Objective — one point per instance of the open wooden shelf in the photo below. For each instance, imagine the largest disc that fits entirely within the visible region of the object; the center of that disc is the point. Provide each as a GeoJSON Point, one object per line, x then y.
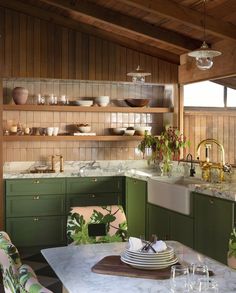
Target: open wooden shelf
{"type": "Point", "coordinates": [68, 108]}
{"type": "Point", "coordinates": [72, 138]}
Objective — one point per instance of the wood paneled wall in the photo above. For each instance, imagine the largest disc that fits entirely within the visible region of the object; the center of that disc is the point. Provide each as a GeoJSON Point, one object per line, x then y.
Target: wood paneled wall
{"type": "Point", "coordinates": [220, 125]}
{"type": "Point", "coordinates": [31, 47]}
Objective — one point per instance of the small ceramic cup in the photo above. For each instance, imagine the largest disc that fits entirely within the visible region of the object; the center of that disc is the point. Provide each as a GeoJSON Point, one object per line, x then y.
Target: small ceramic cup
{"type": "Point", "coordinates": [50, 131]}
{"type": "Point", "coordinates": [55, 131]}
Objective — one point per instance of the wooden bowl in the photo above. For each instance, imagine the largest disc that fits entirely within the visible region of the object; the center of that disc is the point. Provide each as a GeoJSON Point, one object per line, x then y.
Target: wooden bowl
{"type": "Point", "coordinates": [137, 102]}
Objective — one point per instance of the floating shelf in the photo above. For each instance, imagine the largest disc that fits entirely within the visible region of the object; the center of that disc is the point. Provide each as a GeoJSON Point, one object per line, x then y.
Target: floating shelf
{"type": "Point", "coordinates": [72, 138]}
{"type": "Point", "coordinates": [68, 108]}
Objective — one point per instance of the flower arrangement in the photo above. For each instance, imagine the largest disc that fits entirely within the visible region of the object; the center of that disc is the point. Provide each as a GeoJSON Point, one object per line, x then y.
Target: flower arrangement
{"type": "Point", "coordinates": [165, 147]}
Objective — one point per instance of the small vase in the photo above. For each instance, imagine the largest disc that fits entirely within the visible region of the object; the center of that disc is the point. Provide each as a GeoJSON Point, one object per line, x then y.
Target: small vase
{"type": "Point", "coordinates": [20, 95]}
{"type": "Point", "coordinates": [231, 261]}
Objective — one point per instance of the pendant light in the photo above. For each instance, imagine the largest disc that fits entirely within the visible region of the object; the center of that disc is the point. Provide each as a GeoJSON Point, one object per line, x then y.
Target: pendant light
{"type": "Point", "coordinates": [204, 55]}
{"type": "Point", "coordinates": [138, 75]}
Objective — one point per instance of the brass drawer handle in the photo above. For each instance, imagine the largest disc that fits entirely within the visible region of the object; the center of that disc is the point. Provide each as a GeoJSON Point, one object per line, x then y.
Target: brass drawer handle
{"type": "Point", "coordinates": [211, 201]}
{"type": "Point", "coordinates": [36, 182]}
{"type": "Point", "coordinates": [36, 219]}
{"type": "Point", "coordinates": [92, 195]}
{"type": "Point", "coordinates": [94, 179]}
{"type": "Point", "coordinates": [36, 197]}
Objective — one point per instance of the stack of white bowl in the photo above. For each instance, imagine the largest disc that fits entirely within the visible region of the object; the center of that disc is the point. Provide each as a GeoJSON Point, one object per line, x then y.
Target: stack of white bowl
{"type": "Point", "coordinates": [102, 101]}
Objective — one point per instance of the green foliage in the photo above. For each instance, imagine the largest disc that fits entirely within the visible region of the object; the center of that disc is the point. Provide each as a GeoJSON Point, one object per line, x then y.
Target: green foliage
{"type": "Point", "coordinates": [232, 243]}
{"type": "Point", "coordinates": [165, 147]}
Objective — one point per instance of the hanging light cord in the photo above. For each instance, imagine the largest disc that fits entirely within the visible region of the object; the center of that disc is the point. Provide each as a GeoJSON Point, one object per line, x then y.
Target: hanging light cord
{"type": "Point", "coordinates": [204, 20]}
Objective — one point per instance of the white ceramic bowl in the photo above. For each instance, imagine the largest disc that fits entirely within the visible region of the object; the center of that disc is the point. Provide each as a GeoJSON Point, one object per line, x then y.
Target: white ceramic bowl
{"type": "Point", "coordinates": [84, 103]}
{"type": "Point", "coordinates": [140, 130]}
{"type": "Point", "coordinates": [102, 101]}
{"type": "Point", "coordinates": [84, 129]}
{"type": "Point", "coordinates": [129, 132]}
{"type": "Point", "coordinates": [118, 130]}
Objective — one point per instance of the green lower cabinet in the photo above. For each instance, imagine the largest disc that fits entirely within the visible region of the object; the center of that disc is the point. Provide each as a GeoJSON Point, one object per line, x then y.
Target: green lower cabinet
{"type": "Point", "coordinates": [93, 199]}
{"type": "Point", "coordinates": [36, 231]}
{"type": "Point", "coordinates": [168, 225]}
{"type": "Point", "coordinates": [214, 218]}
{"type": "Point", "coordinates": [182, 229]}
{"type": "Point", "coordinates": [136, 197]}
{"type": "Point", "coordinates": [158, 222]}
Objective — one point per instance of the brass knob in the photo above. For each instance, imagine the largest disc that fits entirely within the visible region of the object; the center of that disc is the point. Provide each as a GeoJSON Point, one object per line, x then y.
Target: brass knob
{"type": "Point", "coordinates": [211, 201]}
{"type": "Point", "coordinates": [36, 182]}
{"type": "Point", "coordinates": [36, 197]}
{"type": "Point", "coordinates": [93, 195]}
{"type": "Point", "coordinates": [94, 179]}
{"type": "Point", "coordinates": [36, 219]}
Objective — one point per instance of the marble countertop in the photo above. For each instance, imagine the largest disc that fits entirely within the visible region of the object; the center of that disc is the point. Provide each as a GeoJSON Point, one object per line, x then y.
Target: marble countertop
{"type": "Point", "coordinates": [134, 169]}
{"type": "Point", "coordinates": [72, 265]}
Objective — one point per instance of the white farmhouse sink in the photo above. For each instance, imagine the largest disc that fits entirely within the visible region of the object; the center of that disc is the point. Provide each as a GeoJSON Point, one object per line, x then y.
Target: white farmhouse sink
{"type": "Point", "coordinates": [171, 193]}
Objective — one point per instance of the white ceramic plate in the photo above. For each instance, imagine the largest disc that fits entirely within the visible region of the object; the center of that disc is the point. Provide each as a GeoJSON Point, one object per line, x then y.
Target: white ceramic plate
{"type": "Point", "coordinates": [150, 254]}
{"type": "Point", "coordinates": [150, 267]}
{"type": "Point", "coordinates": [148, 260]}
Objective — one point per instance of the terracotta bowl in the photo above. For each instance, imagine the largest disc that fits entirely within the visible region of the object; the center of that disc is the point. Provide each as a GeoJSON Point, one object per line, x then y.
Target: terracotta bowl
{"type": "Point", "coordinates": [20, 95]}
{"type": "Point", "coordinates": [137, 102]}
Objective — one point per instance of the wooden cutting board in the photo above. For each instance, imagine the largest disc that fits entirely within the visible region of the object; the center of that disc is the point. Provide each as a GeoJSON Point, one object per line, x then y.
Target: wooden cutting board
{"type": "Point", "coordinates": [112, 265]}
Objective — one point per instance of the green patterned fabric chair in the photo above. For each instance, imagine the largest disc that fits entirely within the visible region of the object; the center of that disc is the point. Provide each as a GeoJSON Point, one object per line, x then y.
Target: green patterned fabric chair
{"type": "Point", "coordinates": [17, 278]}
{"type": "Point", "coordinates": [96, 224]}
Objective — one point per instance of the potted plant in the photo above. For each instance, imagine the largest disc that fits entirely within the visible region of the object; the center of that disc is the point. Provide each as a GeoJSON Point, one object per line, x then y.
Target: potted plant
{"type": "Point", "coordinates": [232, 250]}
{"type": "Point", "coordinates": [164, 148]}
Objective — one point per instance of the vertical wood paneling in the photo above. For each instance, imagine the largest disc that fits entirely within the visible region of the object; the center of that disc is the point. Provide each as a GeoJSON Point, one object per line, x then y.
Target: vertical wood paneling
{"type": "Point", "coordinates": [36, 48]}
{"type": "Point", "coordinates": [1, 163]}
{"type": "Point", "coordinates": [218, 125]}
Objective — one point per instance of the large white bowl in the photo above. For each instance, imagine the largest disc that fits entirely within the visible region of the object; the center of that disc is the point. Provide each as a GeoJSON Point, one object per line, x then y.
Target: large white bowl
{"type": "Point", "coordinates": [84, 103]}
{"type": "Point", "coordinates": [84, 129]}
{"type": "Point", "coordinates": [140, 130]}
{"type": "Point", "coordinates": [102, 101]}
{"type": "Point", "coordinates": [118, 130]}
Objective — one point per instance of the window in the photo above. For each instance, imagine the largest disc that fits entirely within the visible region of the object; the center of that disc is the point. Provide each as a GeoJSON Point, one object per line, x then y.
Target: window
{"type": "Point", "coordinates": [204, 94]}
{"type": "Point", "coordinates": [231, 97]}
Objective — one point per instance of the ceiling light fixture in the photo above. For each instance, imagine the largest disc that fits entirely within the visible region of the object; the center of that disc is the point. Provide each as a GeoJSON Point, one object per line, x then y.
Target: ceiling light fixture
{"type": "Point", "coordinates": [138, 75]}
{"type": "Point", "coordinates": [204, 55]}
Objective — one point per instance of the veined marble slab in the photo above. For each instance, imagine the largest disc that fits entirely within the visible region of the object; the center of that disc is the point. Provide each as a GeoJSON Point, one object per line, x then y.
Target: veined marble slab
{"type": "Point", "coordinates": [72, 264]}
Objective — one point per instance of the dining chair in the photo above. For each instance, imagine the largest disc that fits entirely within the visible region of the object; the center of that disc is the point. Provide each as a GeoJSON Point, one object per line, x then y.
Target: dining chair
{"type": "Point", "coordinates": [96, 224]}
{"type": "Point", "coordinates": [17, 278]}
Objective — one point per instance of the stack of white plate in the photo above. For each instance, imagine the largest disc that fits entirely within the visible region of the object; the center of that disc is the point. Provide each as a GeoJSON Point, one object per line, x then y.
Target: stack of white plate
{"type": "Point", "coordinates": [149, 260]}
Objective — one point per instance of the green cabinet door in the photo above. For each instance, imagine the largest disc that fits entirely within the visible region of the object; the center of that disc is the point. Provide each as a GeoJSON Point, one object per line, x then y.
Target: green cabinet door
{"type": "Point", "coordinates": [214, 218]}
{"type": "Point", "coordinates": [36, 231]}
{"type": "Point", "coordinates": [136, 194]}
{"type": "Point", "coordinates": [158, 222]}
{"type": "Point", "coordinates": [31, 205]}
{"type": "Point", "coordinates": [182, 228]}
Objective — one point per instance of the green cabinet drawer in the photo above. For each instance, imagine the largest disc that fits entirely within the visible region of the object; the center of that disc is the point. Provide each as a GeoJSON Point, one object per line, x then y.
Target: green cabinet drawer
{"type": "Point", "coordinates": [36, 186]}
{"type": "Point", "coordinates": [93, 184]}
{"type": "Point", "coordinates": [36, 231]}
{"type": "Point", "coordinates": [36, 205]}
{"type": "Point", "coordinates": [93, 199]}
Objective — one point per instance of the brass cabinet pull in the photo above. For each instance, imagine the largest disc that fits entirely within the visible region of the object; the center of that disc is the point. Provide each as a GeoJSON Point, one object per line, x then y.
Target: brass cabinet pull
{"type": "Point", "coordinates": [135, 181]}
{"type": "Point", "coordinates": [36, 181]}
{"type": "Point", "coordinates": [94, 179]}
{"type": "Point", "coordinates": [36, 219]}
{"type": "Point", "coordinates": [211, 201]}
{"type": "Point", "coordinates": [93, 195]}
{"type": "Point", "coordinates": [36, 197]}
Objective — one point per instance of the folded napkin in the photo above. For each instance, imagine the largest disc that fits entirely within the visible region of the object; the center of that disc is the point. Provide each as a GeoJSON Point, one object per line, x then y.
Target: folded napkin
{"type": "Point", "coordinates": [136, 244]}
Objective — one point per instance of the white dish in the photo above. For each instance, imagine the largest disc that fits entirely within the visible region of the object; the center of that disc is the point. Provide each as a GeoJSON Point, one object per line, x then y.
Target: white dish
{"type": "Point", "coordinates": [148, 260]}
{"type": "Point", "coordinates": [84, 103]}
{"type": "Point", "coordinates": [168, 251]}
{"type": "Point", "coordinates": [140, 130]}
{"type": "Point", "coordinates": [84, 129]}
{"type": "Point", "coordinates": [118, 130]}
{"type": "Point", "coordinates": [145, 266]}
{"type": "Point", "coordinates": [102, 101]}
{"type": "Point", "coordinates": [129, 132]}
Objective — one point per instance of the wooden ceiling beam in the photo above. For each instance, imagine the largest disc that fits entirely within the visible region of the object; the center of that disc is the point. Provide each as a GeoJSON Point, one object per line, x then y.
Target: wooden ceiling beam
{"type": "Point", "coordinates": [186, 15]}
{"type": "Point", "coordinates": [90, 12]}
{"type": "Point", "coordinates": [72, 24]}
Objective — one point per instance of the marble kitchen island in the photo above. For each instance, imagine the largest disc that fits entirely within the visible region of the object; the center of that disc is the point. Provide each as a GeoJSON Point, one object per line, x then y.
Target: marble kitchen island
{"type": "Point", "coordinates": [73, 264]}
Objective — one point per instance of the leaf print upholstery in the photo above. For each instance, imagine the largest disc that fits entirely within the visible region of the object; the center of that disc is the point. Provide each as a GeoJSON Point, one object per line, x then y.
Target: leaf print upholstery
{"type": "Point", "coordinates": [79, 219]}
{"type": "Point", "coordinates": [13, 271]}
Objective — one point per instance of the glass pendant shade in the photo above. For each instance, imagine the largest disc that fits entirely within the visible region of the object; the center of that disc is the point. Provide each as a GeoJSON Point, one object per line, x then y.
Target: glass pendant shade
{"type": "Point", "coordinates": [204, 56]}
{"type": "Point", "coordinates": [138, 76]}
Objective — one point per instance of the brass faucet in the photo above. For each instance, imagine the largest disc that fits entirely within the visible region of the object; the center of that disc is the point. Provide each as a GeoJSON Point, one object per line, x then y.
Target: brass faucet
{"type": "Point", "coordinates": [61, 163]}
{"type": "Point", "coordinates": [208, 168]}
{"type": "Point", "coordinates": [53, 163]}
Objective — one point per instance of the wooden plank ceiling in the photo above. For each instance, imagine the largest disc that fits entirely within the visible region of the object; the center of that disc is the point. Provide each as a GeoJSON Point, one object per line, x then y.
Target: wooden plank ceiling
{"type": "Point", "coordinates": [161, 28]}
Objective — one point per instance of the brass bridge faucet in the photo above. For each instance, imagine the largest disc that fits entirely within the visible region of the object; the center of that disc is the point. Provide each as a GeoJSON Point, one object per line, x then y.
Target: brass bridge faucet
{"type": "Point", "coordinates": [208, 168]}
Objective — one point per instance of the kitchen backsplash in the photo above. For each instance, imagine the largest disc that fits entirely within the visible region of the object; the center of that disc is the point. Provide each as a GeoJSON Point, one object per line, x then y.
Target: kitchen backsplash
{"type": "Point", "coordinates": [100, 122]}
